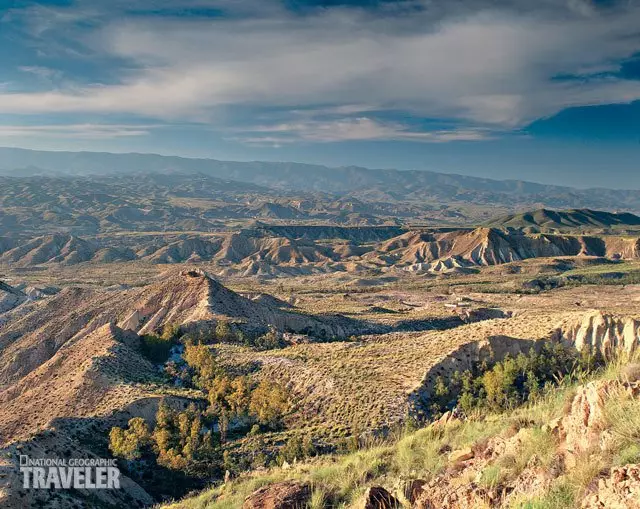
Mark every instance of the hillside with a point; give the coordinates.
(544, 455)
(580, 219)
(365, 185)
(290, 251)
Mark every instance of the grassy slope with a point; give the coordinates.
(419, 455)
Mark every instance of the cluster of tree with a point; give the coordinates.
(510, 382)
(236, 397)
(180, 441)
(156, 347)
(226, 333)
(190, 441)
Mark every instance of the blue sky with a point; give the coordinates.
(546, 91)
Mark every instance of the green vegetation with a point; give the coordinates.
(423, 454)
(130, 443)
(510, 382)
(226, 332)
(188, 441)
(157, 347)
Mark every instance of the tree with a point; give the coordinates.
(220, 391)
(181, 443)
(269, 403)
(201, 359)
(223, 331)
(130, 443)
(271, 340)
(156, 348)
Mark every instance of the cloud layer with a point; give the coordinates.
(480, 66)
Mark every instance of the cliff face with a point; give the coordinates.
(467, 357)
(276, 249)
(602, 333)
(599, 333)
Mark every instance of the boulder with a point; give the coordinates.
(621, 490)
(413, 489)
(282, 495)
(461, 455)
(377, 497)
(583, 426)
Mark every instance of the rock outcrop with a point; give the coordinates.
(602, 333)
(377, 497)
(582, 428)
(265, 251)
(620, 490)
(282, 495)
(10, 298)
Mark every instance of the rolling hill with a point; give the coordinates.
(369, 185)
(567, 219)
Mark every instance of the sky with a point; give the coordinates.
(547, 91)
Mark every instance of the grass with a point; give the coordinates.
(491, 476)
(338, 481)
(622, 413)
(560, 496)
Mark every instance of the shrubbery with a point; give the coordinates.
(179, 441)
(186, 441)
(226, 333)
(157, 347)
(509, 382)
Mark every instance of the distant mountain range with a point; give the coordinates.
(368, 185)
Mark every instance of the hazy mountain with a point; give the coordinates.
(362, 183)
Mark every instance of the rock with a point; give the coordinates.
(603, 333)
(443, 419)
(282, 495)
(583, 427)
(621, 490)
(377, 497)
(553, 426)
(461, 455)
(413, 489)
(479, 314)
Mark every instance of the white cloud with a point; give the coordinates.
(76, 131)
(352, 129)
(490, 67)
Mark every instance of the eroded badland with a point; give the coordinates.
(312, 362)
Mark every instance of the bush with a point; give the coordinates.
(269, 403)
(509, 382)
(296, 448)
(201, 359)
(156, 348)
(178, 442)
(130, 443)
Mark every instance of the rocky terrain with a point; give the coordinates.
(71, 367)
(276, 251)
(338, 338)
(552, 220)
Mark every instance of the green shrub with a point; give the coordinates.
(510, 382)
(130, 443)
(156, 348)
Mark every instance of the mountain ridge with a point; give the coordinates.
(565, 219)
(70, 163)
